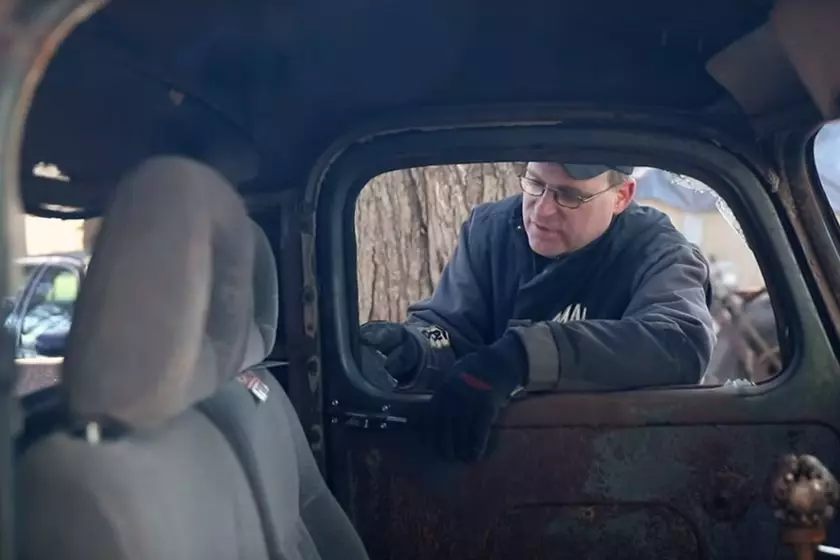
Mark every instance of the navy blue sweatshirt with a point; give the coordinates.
(629, 310)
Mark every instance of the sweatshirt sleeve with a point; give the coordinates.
(665, 336)
(456, 318)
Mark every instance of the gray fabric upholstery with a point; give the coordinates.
(161, 322)
(178, 494)
(263, 331)
(164, 312)
(303, 520)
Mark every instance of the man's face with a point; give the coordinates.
(553, 229)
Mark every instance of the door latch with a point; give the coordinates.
(381, 419)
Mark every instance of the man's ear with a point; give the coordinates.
(625, 195)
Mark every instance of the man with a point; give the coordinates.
(570, 285)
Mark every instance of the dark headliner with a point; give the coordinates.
(280, 81)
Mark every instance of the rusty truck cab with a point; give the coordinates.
(300, 104)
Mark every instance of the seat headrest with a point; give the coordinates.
(164, 312)
(263, 329)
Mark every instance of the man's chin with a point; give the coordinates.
(546, 249)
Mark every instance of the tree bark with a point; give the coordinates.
(407, 227)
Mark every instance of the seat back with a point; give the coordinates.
(135, 471)
(302, 519)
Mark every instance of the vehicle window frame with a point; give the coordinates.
(23, 303)
(757, 210)
(813, 175)
(826, 233)
(21, 294)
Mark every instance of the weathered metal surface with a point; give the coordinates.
(807, 217)
(37, 373)
(300, 323)
(647, 492)
(683, 470)
(30, 33)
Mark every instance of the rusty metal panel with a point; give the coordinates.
(645, 492)
(37, 373)
(299, 296)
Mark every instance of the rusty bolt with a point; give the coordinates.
(312, 365)
(308, 295)
(804, 494)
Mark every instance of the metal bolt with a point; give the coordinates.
(308, 295)
(334, 402)
(386, 407)
(312, 365)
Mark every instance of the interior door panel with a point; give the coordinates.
(612, 493)
(678, 473)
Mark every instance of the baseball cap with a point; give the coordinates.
(583, 172)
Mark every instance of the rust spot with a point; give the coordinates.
(730, 495)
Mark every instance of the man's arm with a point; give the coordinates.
(665, 337)
(456, 319)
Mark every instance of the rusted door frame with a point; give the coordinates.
(30, 33)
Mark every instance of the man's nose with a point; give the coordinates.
(545, 205)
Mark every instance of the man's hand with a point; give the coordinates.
(467, 404)
(402, 351)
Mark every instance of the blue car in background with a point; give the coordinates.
(40, 313)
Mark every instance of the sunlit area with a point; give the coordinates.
(55, 235)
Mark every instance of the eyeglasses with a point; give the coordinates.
(567, 197)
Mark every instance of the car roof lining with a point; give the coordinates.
(256, 91)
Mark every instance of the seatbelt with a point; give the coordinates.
(252, 381)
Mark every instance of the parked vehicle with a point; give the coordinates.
(44, 303)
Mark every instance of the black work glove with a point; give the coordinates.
(402, 351)
(467, 404)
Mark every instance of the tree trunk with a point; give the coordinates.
(407, 226)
